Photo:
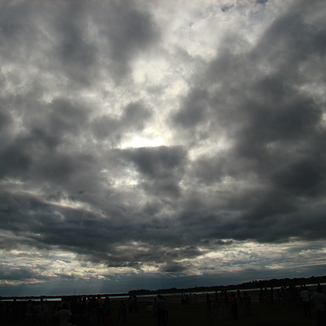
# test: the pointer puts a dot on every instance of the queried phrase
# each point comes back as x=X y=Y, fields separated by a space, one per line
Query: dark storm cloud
x=36 y=152
x=174 y=268
x=6 y=123
x=276 y=130
x=92 y=237
x=44 y=225
x=47 y=224
x=133 y=118
x=67 y=183
x=124 y=32
x=161 y=168
x=132 y=31
x=76 y=40
x=193 y=110
x=156 y=162
x=9 y=273
x=77 y=52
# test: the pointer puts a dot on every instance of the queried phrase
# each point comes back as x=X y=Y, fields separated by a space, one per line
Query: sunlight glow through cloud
x=137 y=142
x=176 y=142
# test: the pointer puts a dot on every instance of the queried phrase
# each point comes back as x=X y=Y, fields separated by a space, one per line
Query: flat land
x=196 y=314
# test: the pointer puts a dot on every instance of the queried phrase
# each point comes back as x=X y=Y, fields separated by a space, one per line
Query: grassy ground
x=196 y=315
x=188 y=315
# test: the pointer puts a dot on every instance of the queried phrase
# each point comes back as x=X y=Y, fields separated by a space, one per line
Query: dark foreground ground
x=196 y=313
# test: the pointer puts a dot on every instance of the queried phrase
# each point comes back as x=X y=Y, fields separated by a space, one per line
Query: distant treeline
x=243 y=286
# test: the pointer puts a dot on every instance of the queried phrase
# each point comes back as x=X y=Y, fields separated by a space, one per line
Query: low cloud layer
x=146 y=140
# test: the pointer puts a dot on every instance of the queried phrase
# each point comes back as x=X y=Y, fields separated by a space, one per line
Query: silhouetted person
x=30 y=313
x=247 y=304
x=135 y=303
x=209 y=307
x=107 y=319
x=223 y=302
x=234 y=306
x=92 y=308
x=107 y=306
x=239 y=296
x=131 y=304
x=63 y=315
x=161 y=311
x=271 y=296
x=305 y=297
x=320 y=304
x=99 y=309
x=122 y=313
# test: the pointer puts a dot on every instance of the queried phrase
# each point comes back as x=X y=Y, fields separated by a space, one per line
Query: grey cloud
x=43 y=225
x=83 y=40
x=64 y=185
x=6 y=122
x=193 y=110
x=9 y=273
x=127 y=32
x=305 y=225
x=161 y=169
x=124 y=32
x=15 y=160
x=15 y=30
x=276 y=130
x=152 y=252
x=107 y=127
x=226 y=8
x=174 y=268
x=165 y=188
x=134 y=117
x=156 y=162
x=77 y=52
x=304 y=177
x=284 y=46
x=36 y=152
x=66 y=117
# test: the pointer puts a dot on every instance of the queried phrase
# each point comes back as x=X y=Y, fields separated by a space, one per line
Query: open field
x=196 y=314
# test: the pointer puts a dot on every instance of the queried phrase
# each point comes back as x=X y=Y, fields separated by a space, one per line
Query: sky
x=149 y=144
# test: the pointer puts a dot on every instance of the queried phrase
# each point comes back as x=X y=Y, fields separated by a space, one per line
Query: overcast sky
x=166 y=143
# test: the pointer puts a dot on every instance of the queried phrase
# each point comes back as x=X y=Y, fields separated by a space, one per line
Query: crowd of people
x=97 y=310
x=75 y=310
x=227 y=304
